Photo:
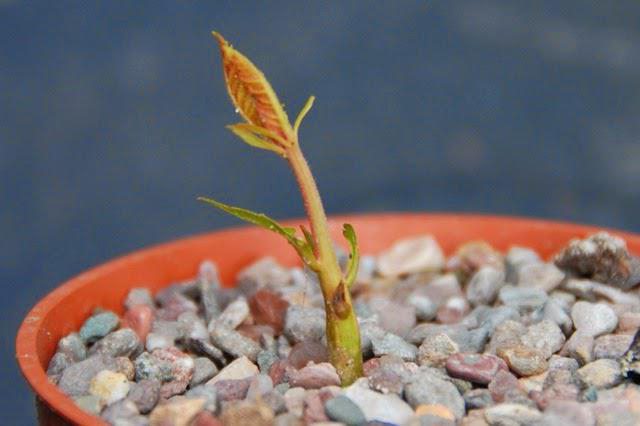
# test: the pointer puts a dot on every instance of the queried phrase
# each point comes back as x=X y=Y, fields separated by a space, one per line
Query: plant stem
x=343 y=335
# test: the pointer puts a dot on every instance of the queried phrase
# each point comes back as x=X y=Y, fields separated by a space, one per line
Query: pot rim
x=26 y=351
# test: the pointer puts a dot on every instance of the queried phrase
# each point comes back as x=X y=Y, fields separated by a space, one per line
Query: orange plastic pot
x=66 y=308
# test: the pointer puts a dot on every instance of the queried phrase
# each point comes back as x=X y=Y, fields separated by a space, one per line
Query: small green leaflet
x=354 y=258
x=304 y=249
x=303 y=112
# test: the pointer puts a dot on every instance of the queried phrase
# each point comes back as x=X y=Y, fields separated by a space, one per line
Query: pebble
x=525 y=299
x=601 y=257
x=611 y=346
x=259 y=386
x=247 y=413
x=76 y=378
x=601 y=374
x=434 y=351
x=158 y=341
x=512 y=414
x=73 y=346
x=554 y=311
x=203 y=347
x=478 y=398
x=294 y=400
x=304 y=323
x=516 y=258
x=206 y=392
x=629 y=322
x=471 y=256
x=139 y=296
x=266 y=272
x=391 y=344
x=593 y=319
x=177 y=412
x=265 y=360
x=453 y=310
x=425 y=387
x=506 y=335
x=209 y=298
x=545 y=336
x=203 y=370
x=441 y=288
x=275 y=401
x=389 y=408
x=503 y=385
x=234 y=343
x=523 y=360
x=307 y=351
x=411 y=255
x=397 y=318
x=109 y=386
x=342 y=409
x=122 y=412
x=476 y=368
x=59 y=362
x=166 y=365
x=240 y=368
x=145 y=394
x=545 y=276
x=139 y=318
x=269 y=308
x=205 y=418
x=98 y=326
x=424 y=307
x=386 y=380
x=232 y=316
x=232 y=390
x=580 y=347
x=314 y=376
x=484 y=285
x=92 y=404
x=175 y=305
x=568 y=413
x=123 y=342
x=191 y=326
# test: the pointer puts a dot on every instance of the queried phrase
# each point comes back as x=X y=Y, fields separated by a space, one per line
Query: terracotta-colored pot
x=106 y=286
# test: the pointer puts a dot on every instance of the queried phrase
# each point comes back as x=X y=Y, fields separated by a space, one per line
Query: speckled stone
x=601 y=374
x=234 y=343
x=109 y=386
x=389 y=408
x=98 y=326
x=145 y=394
x=203 y=370
x=545 y=336
x=123 y=342
x=303 y=323
x=524 y=361
x=73 y=346
x=75 y=379
x=177 y=412
x=511 y=414
x=247 y=413
x=611 y=346
x=484 y=285
x=433 y=352
x=476 y=368
x=411 y=255
x=392 y=344
x=314 y=376
x=593 y=319
x=425 y=387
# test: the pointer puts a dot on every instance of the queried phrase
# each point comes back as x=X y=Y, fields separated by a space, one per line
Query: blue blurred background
x=112 y=121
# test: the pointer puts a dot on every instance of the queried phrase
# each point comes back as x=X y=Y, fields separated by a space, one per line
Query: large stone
x=76 y=379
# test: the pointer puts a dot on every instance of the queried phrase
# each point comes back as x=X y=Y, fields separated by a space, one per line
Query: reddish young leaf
x=251 y=93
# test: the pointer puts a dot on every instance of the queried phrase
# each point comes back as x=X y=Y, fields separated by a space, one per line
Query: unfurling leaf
x=354 y=255
x=302 y=247
x=258 y=137
x=303 y=112
x=252 y=94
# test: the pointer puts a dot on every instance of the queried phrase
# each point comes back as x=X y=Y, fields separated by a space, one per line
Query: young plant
x=267 y=127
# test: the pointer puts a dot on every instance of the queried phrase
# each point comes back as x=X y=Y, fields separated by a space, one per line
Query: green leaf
x=303 y=112
x=257 y=137
x=354 y=257
x=305 y=251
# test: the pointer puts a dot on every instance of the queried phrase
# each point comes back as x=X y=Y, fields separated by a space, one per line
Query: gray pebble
x=478 y=398
x=426 y=388
x=59 y=362
x=554 y=311
x=265 y=360
x=139 y=296
x=92 y=404
x=145 y=394
x=601 y=374
x=304 y=323
x=545 y=276
x=233 y=315
x=203 y=370
x=234 y=343
x=123 y=342
x=545 y=336
x=342 y=409
x=484 y=286
x=523 y=298
x=73 y=346
x=208 y=393
x=98 y=326
x=391 y=344
x=75 y=379
x=424 y=307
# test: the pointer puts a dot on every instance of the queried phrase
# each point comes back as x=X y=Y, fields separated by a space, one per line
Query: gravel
x=476 y=338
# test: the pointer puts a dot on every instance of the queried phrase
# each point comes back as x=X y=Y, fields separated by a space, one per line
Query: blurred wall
x=112 y=121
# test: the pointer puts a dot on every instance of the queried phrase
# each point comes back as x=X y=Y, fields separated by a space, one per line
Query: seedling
x=267 y=127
